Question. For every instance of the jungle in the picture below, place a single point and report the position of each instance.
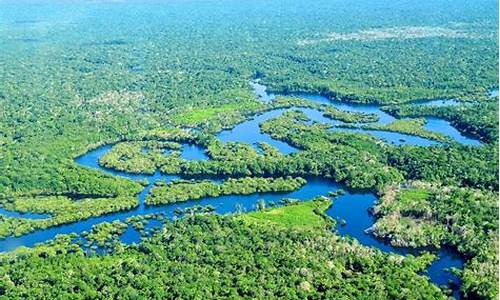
(189, 149)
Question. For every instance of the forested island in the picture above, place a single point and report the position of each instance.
(256, 150)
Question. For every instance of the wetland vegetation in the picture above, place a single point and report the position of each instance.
(193, 149)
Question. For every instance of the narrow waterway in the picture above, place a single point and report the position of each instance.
(432, 124)
(351, 207)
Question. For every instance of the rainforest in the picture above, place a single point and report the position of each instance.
(234, 149)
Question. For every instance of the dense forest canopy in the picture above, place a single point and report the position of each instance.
(66, 84)
(148, 78)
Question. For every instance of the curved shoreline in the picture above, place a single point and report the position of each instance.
(353, 206)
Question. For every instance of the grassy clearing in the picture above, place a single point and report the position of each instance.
(303, 215)
(418, 195)
(198, 115)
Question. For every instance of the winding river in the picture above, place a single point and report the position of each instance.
(352, 206)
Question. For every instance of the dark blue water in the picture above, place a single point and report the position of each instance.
(152, 224)
(131, 236)
(384, 118)
(351, 206)
(222, 205)
(249, 132)
(353, 209)
(91, 160)
(432, 124)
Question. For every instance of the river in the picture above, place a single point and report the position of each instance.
(352, 206)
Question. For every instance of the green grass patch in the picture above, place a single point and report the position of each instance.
(302, 215)
(418, 195)
(203, 114)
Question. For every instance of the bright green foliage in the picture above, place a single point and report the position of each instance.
(181, 190)
(427, 215)
(104, 233)
(462, 165)
(328, 111)
(204, 114)
(104, 79)
(412, 127)
(299, 215)
(212, 257)
(74, 76)
(479, 119)
(140, 157)
(349, 117)
(62, 210)
(358, 161)
(481, 272)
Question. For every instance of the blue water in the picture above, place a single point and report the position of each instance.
(36, 26)
(384, 118)
(354, 210)
(249, 132)
(91, 160)
(222, 205)
(448, 130)
(193, 152)
(494, 93)
(131, 236)
(433, 124)
(352, 206)
(152, 224)
(260, 91)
